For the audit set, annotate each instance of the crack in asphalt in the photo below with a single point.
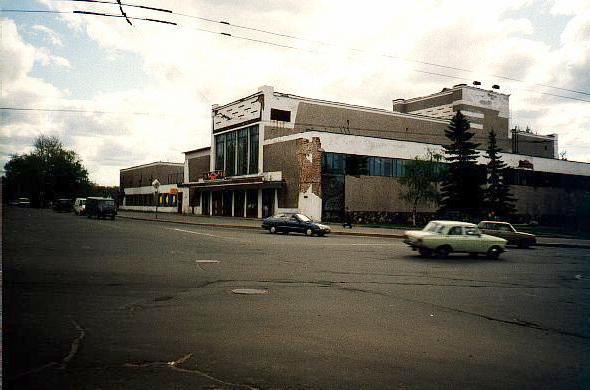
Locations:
(63, 364)
(517, 322)
(340, 285)
(446, 278)
(176, 366)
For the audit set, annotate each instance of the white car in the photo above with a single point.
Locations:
(80, 206)
(445, 237)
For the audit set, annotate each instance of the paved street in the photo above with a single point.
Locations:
(137, 304)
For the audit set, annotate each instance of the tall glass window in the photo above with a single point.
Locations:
(242, 158)
(219, 152)
(230, 154)
(253, 165)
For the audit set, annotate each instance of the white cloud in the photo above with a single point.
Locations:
(188, 70)
(51, 35)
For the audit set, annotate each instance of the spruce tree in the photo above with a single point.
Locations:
(498, 199)
(461, 194)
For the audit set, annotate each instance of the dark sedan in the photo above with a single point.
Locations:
(508, 232)
(293, 222)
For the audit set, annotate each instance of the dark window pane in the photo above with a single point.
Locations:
(242, 152)
(230, 153)
(219, 151)
(253, 150)
(280, 115)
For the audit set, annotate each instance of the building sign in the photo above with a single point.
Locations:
(215, 175)
(525, 164)
(174, 190)
(240, 113)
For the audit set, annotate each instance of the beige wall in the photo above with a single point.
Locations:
(283, 157)
(546, 200)
(197, 167)
(144, 176)
(377, 193)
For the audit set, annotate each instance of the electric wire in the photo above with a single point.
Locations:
(454, 77)
(264, 31)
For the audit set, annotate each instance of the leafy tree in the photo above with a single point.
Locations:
(422, 175)
(498, 199)
(461, 192)
(46, 173)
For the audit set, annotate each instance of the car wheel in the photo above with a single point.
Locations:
(494, 252)
(273, 230)
(443, 252)
(309, 232)
(424, 252)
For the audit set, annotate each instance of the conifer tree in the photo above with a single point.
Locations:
(461, 192)
(498, 199)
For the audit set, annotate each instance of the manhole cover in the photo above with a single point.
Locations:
(207, 261)
(249, 291)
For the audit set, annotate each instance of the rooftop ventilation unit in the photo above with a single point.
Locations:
(477, 83)
(495, 86)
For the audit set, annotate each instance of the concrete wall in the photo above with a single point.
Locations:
(283, 157)
(534, 145)
(145, 175)
(547, 200)
(376, 193)
(197, 167)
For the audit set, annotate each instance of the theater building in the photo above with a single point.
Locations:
(135, 184)
(274, 152)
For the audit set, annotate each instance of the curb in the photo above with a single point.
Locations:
(358, 234)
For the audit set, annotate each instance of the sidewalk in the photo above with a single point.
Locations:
(250, 223)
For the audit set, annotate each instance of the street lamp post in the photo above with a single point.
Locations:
(156, 185)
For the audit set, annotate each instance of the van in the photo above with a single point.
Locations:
(80, 206)
(100, 208)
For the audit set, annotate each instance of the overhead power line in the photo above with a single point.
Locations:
(261, 41)
(74, 110)
(264, 31)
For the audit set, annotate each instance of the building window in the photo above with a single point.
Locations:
(219, 152)
(236, 152)
(280, 115)
(253, 168)
(242, 168)
(230, 153)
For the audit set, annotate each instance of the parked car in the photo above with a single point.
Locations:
(80, 206)
(508, 232)
(62, 205)
(23, 202)
(445, 237)
(100, 207)
(293, 222)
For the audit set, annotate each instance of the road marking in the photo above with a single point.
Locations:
(203, 234)
(396, 244)
(207, 261)
(249, 291)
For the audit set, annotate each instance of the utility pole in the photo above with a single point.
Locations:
(156, 185)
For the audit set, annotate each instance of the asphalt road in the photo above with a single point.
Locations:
(133, 304)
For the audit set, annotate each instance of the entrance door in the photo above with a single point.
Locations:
(239, 199)
(205, 203)
(268, 202)
(179, 201)
(252, 205)
(217, 203)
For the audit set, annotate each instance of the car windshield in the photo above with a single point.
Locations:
(433, 227)
(302, 218)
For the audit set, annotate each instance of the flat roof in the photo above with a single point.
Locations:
(155, 163)
(197, 150)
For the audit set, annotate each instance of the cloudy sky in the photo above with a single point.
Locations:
(146, 90)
